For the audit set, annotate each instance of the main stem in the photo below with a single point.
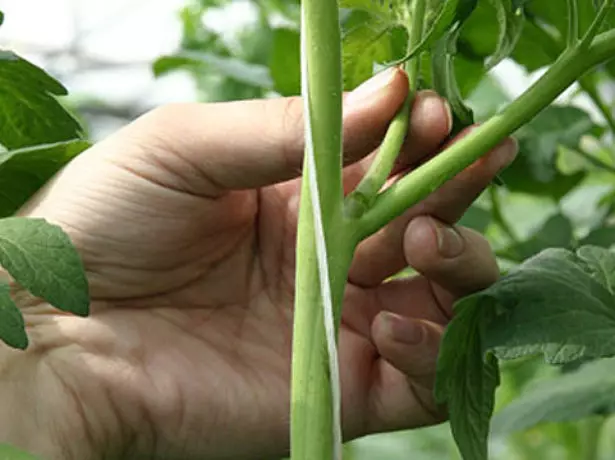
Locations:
(426, 179)
(312, 430)
(312, 413)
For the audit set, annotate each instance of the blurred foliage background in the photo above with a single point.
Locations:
(560, 192)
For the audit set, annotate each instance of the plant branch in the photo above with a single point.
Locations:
(429, 177)
(597, 24)
(573, 23)
(362, 198)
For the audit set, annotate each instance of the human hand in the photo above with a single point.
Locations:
(186, 223)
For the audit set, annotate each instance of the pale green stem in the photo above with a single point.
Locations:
(311, 404)
(429, 177)
(597, 24)
(363, 196)
(312, 411)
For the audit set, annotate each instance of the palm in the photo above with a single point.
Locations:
(203, 289)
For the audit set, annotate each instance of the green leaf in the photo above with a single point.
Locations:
(553, 127)
(535, 168)
(12, 453)
(558, 304)
(603, 237)
(439, 20)
(29, 112)
(466, 380)
(519, 177)
(392, 11)
(235, 69)
(557, 231)
(367, 39)
(488, 98)
(42, 259)
(510, 20)
(555, 15)
(284, 62)
(12, 326)
(24, 171)
(476, 218)
(571, 396)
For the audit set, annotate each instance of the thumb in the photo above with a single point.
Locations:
(249, 144)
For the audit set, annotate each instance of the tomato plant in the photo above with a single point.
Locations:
(550, 220)
(555, 304)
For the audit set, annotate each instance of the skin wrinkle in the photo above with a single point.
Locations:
(233, 360)
(419, 397)
(210, 266)
(446, 315)
(87, 431)
(165, 114)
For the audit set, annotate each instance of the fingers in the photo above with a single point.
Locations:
(381, 255)
(455, 262)
(402, 394)
(248, 144)
(408, 318)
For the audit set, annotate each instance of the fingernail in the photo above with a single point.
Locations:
(370, 88)
(403, 330)
(433, 108)
(450, 242)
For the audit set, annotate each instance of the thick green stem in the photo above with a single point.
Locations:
(312, 411)
(362, 198)
(311, 407)
(432, 175)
